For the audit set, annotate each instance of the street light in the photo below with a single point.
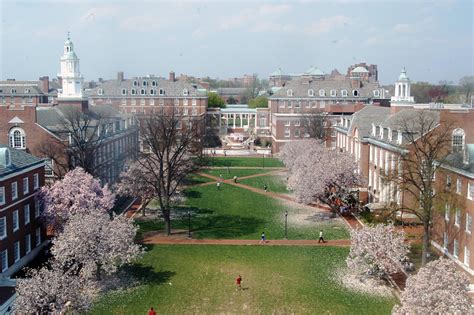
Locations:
(263, 160)
(189, 224)
(286, 224)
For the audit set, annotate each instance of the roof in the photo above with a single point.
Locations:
(23, 88)
(19, 161)
(403, 76)
(113, 88)
(313, 71)
(461, 162)
(300, 89)
(363, 119)
(360, 70)
(276, 72)
(231, 91)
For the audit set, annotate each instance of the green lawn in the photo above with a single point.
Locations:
(231, 172)
(244, 162)
(237, 213)
(199, 279)
(276, 184)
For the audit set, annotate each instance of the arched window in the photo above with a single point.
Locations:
(355, 93)
(322, 93)
(458, 140)
(310, 92)
(17, 138)
(344, 93)
(185, 92)
(289, 92)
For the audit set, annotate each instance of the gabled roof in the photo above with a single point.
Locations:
(314, 71)
(363, 119)
(19, 161)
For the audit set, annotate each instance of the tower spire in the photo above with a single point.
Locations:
(68, 35)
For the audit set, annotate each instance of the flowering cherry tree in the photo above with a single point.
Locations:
(50, 290)
(77, 192)
(377, 251)
(437, 288)
(95, 243)
(317, 173)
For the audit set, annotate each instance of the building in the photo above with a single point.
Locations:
(22, 234)
(150, 95)
(45, 128)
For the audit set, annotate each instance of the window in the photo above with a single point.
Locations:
(457, 218)
(152, 102)
(161, 101)
(134, 102)
(399, 137)
(344, 93)
(458, 140)
(16, 223)
(176, 101)
(17, 138)
(458, 186)
(185, 112)
(26, 212)
(28, 243)
(447, 210)
(100, 92)
(135, 83)
(144, 83)
(287, 132)
(133, 92)
(376, 93)
(153, 83)
(37, 208)
(14, 190)
(333, 93)
(16, 251)
(297, 133)
(468, 223)
(470, 191)
(26, 186)
(310, 92)
(194, 112)
(4, 260)
(35, 181)
(322, 104)
(38, 236)
(185, 92)
(13, 91)
(142, 102)
(124, 91)
(467, 256)
(297, 123)
(194, 102)
(456, 249)
(143, 92)
(322, 93)
(185, 102)
(298, 104)
(308, 104)
(162, 92)
(448, 181)
(2, 196)
(48, 168)
(287, 123)
(152, 92)
(290, 104)
(124, 102)
(3, 227)
(381, 132)
(355, 93)
(289, 92)
(445, 240)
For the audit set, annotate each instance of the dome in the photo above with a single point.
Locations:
(403, 76)
(313, 71)
(360, 70)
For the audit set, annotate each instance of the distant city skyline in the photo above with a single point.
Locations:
(432, 39)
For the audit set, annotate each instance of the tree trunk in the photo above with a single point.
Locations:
(166, 217)
(426, 243)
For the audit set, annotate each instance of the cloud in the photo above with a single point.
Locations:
(403, 28)
(328, 24)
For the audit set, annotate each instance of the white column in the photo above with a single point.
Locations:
(240, 115)
(233, 120)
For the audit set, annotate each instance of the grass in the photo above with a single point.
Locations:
(237, 213)
(231, 172)
(244, 162)
(187, 279)
(275, 184)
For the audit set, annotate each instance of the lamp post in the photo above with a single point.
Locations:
(286, 224)
(263, 160)
(189, 224)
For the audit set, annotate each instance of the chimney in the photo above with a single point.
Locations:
(120, 76)
(44, 84)
(172, 76)
(5, 159)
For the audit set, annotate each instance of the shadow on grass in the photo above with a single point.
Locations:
(225, 226)
(146, 274)
(189, 193)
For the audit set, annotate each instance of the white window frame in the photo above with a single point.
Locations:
(194, 102)
(376, 93)
(287, 122)
(456, 248)
(447, 212)
(185, 92)
(333, 93)
(4, 260)
(287, 132)
(458, 186)
(124, 91)
(100, 92)
(297, 123)
(38, 236)
(162, 92)
(37, 208)
(133, 92)
(468, 227)
(289, 92)
(26, 185)
(5, 231)
(35, 181)
(344, 93)
(467, 255)
(2, 195)
(14, 191)
(470, 191)
(355, 93)
(322, 92)
(457, 218)
(13, 140)
(27, 213)
(15, 220)
(311, 92)
(16, 251)
(27, 243)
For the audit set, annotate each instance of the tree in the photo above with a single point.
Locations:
(231, 100)
(49, 290)
(466, 85)
(258, 102)
(214, 100)
(426, 147)
(316, 124)
(317, 173)
(93, 243)
(377, 251)
(80, 136)
(77, 192)
(437, 288)
(173, 151)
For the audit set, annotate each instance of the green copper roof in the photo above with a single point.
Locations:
(360, 70)
(314, 71)
(403, 76)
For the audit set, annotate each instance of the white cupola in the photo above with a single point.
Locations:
(70, 75)
(402, 91)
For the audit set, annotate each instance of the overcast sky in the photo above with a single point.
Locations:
(432, 39)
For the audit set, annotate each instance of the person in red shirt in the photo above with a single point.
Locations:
(238, 282)
(151, 311)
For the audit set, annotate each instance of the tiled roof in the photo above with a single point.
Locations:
(363, 119)
(19, 160)
(113, 88)
(457, 160)
(22, 88)
(300, 89)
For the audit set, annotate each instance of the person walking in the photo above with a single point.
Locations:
(235, 179)
(321, 238)
(151, 311)
(218, 185)
(265, 187)
(263, 238)
(238, 283)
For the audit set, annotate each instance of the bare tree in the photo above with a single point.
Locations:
(467, 87)
(80, 136)
(172, 150)
(316, 124)
(426, 140)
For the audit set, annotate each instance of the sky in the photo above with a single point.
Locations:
(224, 39)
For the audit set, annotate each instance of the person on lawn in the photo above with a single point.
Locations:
(238, 282)
(321, 238)
(151, 311)
(263, 238)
